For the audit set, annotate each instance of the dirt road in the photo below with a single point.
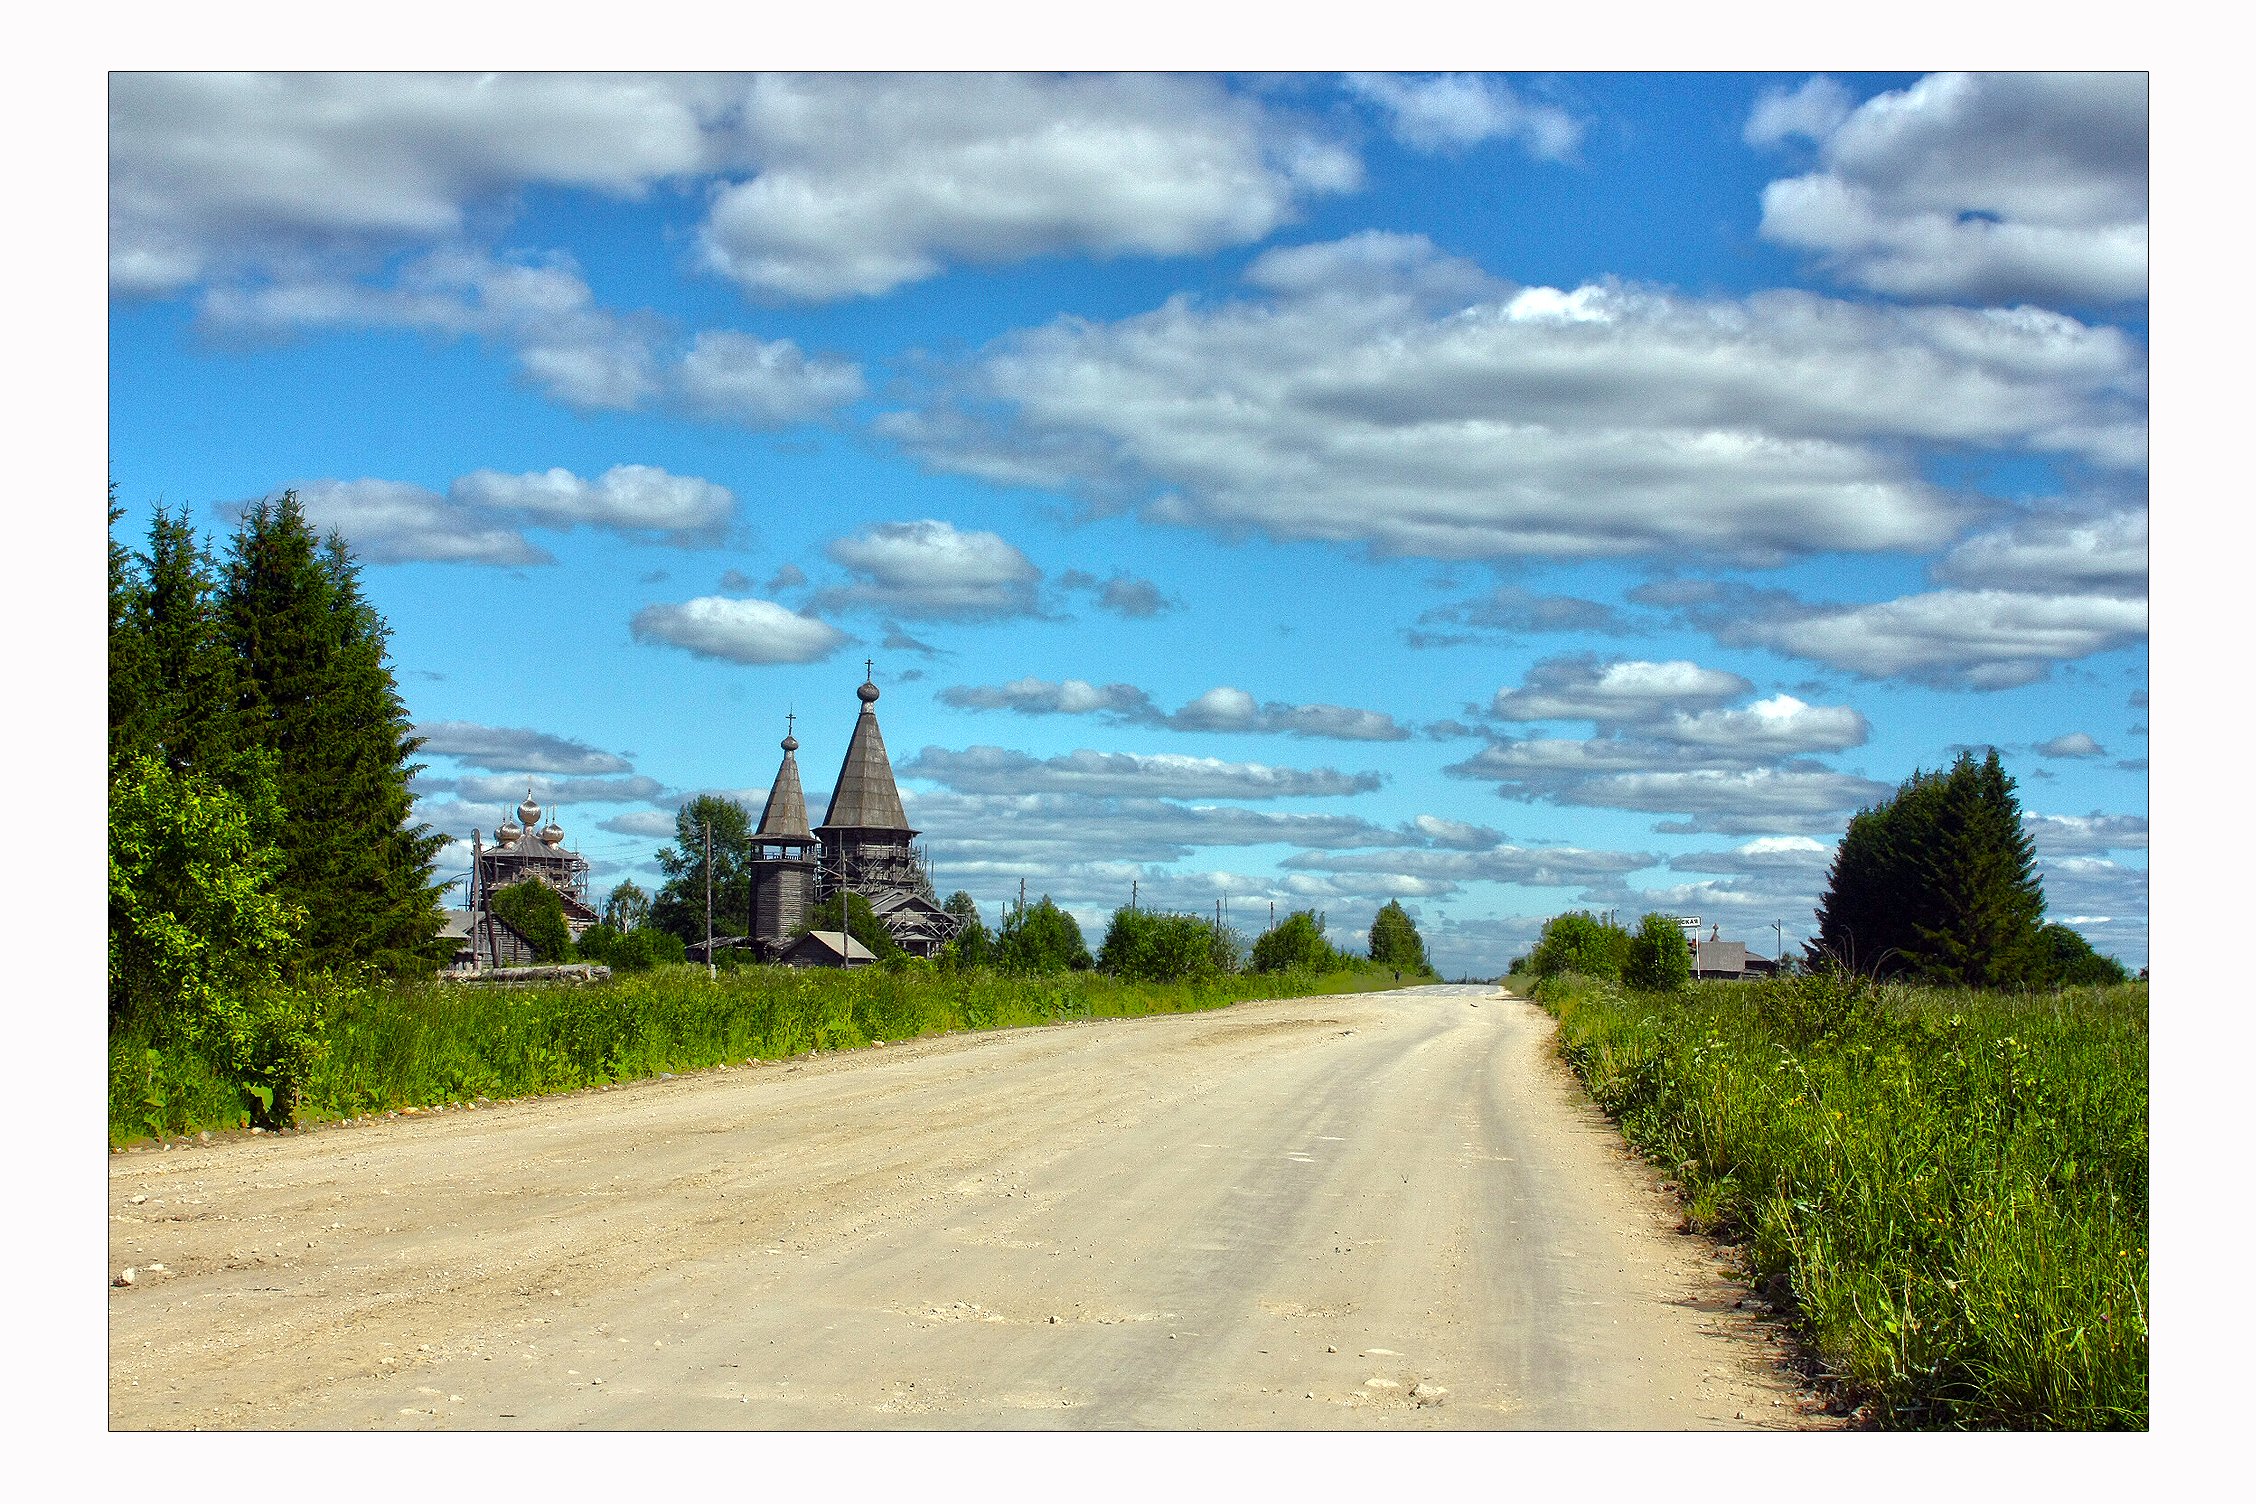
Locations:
(1388, 1210)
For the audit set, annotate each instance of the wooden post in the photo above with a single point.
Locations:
(712, 972)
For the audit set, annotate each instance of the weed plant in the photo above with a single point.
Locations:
(387, 1047)
(1948, 1188)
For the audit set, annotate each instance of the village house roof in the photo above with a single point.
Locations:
(827, 948)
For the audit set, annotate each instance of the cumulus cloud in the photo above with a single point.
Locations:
(995, 770)
(1515, 608)
(625, 498)
(1623, 691)
(2050, 554)
(1813, 111)
(540, 309)
(738, 630)
(1123, 595)
(2085, 835)
(392, 522)
(1974, 639)
(482, 517)
(1793, 856)
(2072, 744)
(764, 383)
(1988, 187)
(1223, 708)
(1780, 726)
(516, 749)
(1607, 773)
(930, 570)
(862, 178)
(1531, 866)
(1452, 111)
(1367, 391)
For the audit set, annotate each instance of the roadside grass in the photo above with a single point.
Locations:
(1947, 1189)
(383, 1048)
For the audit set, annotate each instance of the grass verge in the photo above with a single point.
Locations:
(384, 1048)
(1947, 1189)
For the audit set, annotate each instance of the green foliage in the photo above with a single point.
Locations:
(1143, 946)
(1297, 944)
(317, 692)
(634, 950)
(679, 908)
(863, 924)
(534, 910)
(1658, 960)
(195, 918)
(1948, 1189)
(1041, 938)
(1936, 884)
(627, 908)
(2063, 958)
(973, 945)
(1581, 943)
(1395, 940)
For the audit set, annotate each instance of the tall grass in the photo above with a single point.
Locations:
(1949, 1187)
(418, 1045)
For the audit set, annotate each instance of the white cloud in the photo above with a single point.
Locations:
(1225, 708)
(995, 770)
(1780, 726)
(1625, 691)
(1451, 111)
(930, 570)
(1992, 187)
(2085, 835)
(209, 171)
(738, 631)
(538, 307)
(1980, 639)
(1534, 866)
(868, 182)
(1369, 397)
(1514, 608)
(392, 522)
(2072, 744)
(1796, 856)
(764, 383)
(551, 790)
(2067, 555)
(481, 519)
(516, 749)
(1812, 111)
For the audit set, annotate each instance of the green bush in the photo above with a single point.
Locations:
(1395, 941)
(1041, 938)
(1297, 944)
(1580, 943)
(534, 910)
(1143, 946)
(1658, 959)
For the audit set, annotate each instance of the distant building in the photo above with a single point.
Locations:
(523, 849)
(864, 845)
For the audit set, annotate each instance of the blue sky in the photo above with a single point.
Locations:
(1505, 493)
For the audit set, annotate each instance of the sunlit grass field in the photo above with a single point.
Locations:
(393, 1046)
(1948, 1188)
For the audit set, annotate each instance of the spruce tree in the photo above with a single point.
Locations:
(132, 672)
(191, 702)
(316, 690)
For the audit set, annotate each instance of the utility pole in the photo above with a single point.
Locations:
(1133, 885)
(1272, 913)
(1022, 895)
(1780, 926)
(712, 972)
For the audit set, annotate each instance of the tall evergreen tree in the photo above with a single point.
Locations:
(132, 671)
(1937, 882)
(317, 692)
(194, 685)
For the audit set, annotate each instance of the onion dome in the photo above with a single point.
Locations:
(867, 694)
(552, 833)
(507, 832)
(791, 744)
(528, 812)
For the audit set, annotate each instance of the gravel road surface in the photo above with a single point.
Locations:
(1390, 1210)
